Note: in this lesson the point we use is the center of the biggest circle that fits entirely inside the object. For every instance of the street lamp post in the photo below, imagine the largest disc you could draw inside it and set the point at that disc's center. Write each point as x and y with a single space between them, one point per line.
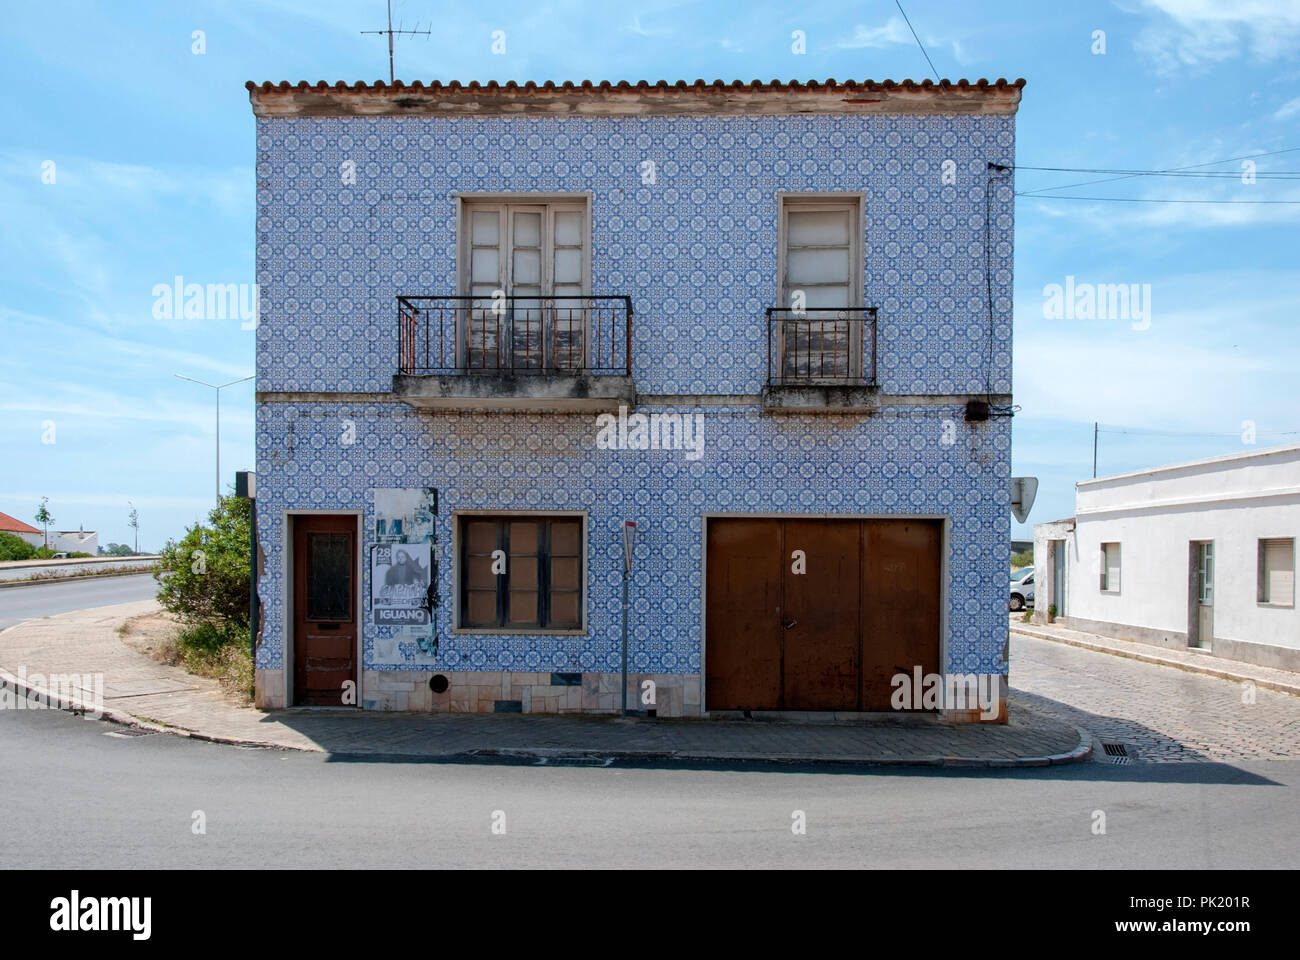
218 388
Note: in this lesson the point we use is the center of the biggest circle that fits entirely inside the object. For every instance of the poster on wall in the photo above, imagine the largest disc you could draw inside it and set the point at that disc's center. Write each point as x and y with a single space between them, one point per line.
404 572
399 583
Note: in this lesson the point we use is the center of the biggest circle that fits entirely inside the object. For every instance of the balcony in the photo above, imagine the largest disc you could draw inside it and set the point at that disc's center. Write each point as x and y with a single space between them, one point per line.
536 354
821 360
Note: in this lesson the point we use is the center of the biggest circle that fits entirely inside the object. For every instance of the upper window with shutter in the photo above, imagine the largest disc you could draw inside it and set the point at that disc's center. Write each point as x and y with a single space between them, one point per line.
820 276
1277 572
526 266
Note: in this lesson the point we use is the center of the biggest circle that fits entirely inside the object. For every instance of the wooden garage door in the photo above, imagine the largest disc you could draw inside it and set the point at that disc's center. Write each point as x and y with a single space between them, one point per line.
808 614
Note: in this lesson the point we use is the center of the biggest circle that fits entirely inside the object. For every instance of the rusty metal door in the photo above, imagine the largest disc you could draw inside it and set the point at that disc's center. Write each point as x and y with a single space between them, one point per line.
324 609
820 614
900 604
743 625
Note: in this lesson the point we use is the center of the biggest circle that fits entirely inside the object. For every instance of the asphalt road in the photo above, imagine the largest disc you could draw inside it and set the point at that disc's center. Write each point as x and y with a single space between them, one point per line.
42 599
79 793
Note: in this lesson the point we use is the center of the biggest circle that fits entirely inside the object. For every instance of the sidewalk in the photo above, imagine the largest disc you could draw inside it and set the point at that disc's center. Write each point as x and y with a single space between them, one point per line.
143 693
1193 661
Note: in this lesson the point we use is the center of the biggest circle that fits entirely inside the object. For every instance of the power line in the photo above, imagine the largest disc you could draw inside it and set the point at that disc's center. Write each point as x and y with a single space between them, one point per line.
1142 432
1213 174
1190 167
917 39
1039 196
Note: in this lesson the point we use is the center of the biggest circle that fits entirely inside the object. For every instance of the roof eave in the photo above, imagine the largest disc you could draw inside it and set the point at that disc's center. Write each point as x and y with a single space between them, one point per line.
999 97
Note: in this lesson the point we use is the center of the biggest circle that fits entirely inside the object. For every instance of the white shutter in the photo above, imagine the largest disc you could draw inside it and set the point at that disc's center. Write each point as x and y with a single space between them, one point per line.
1110 566
1279 572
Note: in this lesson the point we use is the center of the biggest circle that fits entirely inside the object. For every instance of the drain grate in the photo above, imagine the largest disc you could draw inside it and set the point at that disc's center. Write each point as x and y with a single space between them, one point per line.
128 733
1117 752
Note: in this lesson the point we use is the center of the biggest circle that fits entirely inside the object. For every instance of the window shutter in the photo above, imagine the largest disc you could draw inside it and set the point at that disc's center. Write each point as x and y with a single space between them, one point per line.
1279 571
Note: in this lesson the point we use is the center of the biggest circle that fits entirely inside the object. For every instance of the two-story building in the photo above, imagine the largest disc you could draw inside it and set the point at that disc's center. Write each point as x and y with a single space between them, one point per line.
767 323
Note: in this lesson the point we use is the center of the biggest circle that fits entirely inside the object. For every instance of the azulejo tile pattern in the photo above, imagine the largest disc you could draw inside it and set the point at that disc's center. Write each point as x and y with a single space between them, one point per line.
696 251
893 464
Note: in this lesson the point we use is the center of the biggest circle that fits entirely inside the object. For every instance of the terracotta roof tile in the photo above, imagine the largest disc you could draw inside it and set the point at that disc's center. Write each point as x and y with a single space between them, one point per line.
10 524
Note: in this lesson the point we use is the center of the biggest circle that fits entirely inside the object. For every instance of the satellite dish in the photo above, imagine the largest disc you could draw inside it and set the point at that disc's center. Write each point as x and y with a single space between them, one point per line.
1023 491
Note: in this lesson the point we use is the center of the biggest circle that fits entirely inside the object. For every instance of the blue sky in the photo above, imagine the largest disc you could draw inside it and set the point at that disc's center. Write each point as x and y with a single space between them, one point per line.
152 151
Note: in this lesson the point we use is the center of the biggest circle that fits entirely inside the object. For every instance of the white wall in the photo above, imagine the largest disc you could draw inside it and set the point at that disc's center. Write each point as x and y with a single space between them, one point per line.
1233 501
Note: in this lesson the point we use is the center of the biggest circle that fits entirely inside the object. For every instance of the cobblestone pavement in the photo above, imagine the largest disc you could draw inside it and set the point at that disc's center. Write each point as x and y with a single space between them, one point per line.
1160 714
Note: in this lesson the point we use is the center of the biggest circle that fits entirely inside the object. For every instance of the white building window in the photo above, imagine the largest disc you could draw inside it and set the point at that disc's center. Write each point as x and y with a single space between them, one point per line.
1110 568
1277 572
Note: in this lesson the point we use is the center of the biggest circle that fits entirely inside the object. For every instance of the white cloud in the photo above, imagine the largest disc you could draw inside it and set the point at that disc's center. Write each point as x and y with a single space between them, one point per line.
1193 33
894 31
1288 109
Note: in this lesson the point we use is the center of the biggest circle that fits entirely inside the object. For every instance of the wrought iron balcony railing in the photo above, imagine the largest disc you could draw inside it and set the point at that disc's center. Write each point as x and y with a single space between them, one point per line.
516 335
819 346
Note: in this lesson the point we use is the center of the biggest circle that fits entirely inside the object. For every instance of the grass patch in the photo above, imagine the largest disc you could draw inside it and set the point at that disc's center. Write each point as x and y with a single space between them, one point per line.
212 651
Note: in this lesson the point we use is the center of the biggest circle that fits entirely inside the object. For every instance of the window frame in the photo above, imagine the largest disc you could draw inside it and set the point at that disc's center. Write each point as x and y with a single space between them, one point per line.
1262 597
548 204
855 203
1104 584
459 517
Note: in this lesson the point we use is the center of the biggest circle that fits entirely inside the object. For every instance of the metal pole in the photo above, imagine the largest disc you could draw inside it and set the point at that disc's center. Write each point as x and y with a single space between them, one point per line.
625 640
252 578
218 446
1094 449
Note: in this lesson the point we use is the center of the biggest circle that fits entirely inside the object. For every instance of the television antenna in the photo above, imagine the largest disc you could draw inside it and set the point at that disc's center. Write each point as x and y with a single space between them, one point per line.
390 33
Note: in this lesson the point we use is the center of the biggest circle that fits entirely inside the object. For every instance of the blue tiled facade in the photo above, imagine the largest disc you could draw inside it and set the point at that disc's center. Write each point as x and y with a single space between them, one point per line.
697 253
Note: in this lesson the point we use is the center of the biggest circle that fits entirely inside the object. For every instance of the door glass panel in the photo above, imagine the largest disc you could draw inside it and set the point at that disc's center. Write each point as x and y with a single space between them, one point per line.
329 577
818 263
818 228
568 320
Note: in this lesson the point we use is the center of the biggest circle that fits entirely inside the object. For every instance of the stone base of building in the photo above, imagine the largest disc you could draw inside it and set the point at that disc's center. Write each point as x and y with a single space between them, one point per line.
1259 654
674 695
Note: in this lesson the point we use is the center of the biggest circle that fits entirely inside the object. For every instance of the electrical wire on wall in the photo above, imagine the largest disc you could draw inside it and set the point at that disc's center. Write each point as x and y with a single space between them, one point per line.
988 266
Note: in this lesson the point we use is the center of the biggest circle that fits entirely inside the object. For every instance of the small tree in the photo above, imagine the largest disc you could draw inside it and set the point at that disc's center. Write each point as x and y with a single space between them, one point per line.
45 518
203 577
133 522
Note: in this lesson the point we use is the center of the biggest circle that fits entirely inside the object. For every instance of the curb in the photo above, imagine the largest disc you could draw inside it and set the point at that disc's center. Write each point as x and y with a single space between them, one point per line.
1205 670
1080 753
124 719
87 576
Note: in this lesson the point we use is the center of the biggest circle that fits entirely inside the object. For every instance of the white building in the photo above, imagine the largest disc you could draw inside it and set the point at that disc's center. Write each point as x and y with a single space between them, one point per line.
1197 555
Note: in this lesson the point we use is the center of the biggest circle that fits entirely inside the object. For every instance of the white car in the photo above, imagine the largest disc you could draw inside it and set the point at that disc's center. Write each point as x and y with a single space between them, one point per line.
1022 589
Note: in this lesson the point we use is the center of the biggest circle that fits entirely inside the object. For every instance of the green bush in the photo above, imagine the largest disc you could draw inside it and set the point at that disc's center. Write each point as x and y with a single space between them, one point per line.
203 577
209 637
1024 559
79 553
14 547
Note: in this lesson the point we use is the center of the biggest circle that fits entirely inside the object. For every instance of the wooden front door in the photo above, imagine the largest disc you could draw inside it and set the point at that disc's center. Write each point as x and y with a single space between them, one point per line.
324 610
810 614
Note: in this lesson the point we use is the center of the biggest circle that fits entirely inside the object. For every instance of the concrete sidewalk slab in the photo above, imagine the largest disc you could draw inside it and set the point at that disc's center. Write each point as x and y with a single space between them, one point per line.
144 693
1193 661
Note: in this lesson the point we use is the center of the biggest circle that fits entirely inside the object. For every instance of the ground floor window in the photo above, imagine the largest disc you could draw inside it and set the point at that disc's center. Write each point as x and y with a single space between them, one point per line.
1110 568
1277 572
521 572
